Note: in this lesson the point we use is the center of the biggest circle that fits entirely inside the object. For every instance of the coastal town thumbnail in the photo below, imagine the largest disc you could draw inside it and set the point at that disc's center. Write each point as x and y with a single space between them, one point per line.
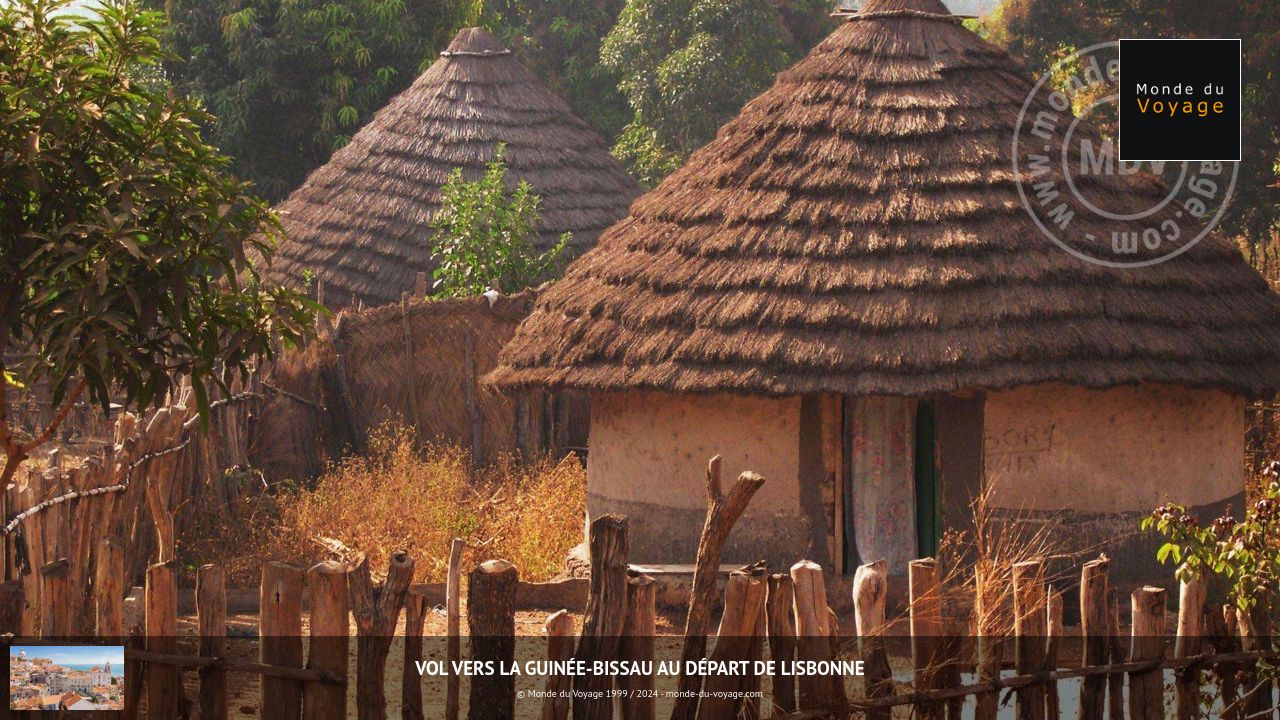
70 677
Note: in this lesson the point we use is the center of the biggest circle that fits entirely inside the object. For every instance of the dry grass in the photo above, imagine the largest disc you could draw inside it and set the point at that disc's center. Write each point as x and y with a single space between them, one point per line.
399 496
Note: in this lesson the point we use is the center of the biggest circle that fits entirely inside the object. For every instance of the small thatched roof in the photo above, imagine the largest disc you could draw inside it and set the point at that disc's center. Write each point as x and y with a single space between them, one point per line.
361 222
857 229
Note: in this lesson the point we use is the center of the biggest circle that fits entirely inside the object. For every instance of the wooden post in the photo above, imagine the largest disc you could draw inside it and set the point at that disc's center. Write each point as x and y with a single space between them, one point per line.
782 640
723 510
1115 681
330 642
280 630
55 589
605 615
1191 633
12 603
1096 631
491 616
870 588
1146 689
415 611
813 640
164 682
926 628
744 598
1255 636
453 631
1052 705
211 615
376 610
1221 628
420 284
991 631
638 633
559 629
1030 630
134 673
108 589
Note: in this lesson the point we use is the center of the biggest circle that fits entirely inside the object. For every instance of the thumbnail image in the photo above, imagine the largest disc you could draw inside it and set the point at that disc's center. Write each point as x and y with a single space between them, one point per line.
66 677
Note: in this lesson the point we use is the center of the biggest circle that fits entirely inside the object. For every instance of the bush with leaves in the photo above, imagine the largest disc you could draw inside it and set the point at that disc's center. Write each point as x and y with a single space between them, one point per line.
483 235
124 241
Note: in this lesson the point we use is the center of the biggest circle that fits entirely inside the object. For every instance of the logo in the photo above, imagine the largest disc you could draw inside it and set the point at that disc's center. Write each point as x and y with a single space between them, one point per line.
1079 192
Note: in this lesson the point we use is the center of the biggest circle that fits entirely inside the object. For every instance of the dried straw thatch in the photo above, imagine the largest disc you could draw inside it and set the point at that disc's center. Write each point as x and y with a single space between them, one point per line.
361 223
857 229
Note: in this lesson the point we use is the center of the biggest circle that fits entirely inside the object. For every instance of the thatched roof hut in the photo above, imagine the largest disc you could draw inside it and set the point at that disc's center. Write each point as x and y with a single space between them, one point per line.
361 223
844 291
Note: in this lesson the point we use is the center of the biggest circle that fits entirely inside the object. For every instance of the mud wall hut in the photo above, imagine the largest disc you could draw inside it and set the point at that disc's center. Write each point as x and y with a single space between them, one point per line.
844 292
360 224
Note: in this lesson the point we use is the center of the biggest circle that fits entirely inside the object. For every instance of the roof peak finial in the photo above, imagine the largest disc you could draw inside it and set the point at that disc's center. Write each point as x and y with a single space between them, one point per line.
929 7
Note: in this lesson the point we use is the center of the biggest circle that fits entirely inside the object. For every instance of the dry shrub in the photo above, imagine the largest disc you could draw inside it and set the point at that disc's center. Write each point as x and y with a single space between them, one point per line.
399 496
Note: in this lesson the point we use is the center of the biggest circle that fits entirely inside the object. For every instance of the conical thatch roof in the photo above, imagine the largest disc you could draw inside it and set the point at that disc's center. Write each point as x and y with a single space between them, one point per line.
360 223
857 229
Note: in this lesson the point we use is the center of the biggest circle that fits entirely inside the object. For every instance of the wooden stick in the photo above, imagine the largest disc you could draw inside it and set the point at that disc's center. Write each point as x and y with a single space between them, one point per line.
782 640
211 615
722 512
1146 689
1052 705
926 628
1030 630
453 620
1191 632
744 598
376 611
605 615
164 682
638 633
108 589
1095 627
491 617
330 642
280 629
559 629
415 611
870 588
230 664
813 639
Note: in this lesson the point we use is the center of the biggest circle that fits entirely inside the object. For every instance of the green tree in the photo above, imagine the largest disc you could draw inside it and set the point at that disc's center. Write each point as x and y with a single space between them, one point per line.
291 80
124 242
1037 32
483 233
559 41
688 66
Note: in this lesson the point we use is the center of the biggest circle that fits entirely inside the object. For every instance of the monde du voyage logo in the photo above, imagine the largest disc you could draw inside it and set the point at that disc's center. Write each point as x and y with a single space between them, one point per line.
1102 121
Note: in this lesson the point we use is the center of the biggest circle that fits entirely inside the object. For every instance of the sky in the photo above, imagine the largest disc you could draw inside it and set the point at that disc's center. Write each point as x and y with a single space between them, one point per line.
74 654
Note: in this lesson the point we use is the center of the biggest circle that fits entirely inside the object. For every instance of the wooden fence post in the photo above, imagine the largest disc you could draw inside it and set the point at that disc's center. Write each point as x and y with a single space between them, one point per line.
870 588
926 628
376 610
1146 689
723 510
108 589
1030 631
1191 603
280 631
211 617
453 629
1095 629
1255 636
990 630
559 629
12 602
744 598
638 636
1052 705
1115 681
1223 636
782 640
415 611
605 615
813 640
491 617
330 642
164 682
55 587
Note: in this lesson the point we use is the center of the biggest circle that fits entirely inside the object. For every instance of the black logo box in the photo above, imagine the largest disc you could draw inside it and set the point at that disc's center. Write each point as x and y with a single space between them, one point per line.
1182 65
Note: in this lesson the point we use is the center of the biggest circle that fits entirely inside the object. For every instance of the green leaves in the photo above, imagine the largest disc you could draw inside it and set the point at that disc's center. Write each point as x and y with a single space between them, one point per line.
124 241
483 234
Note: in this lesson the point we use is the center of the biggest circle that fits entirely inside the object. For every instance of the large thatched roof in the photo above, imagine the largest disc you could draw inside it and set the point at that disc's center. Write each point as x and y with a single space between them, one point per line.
360 223
857 229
